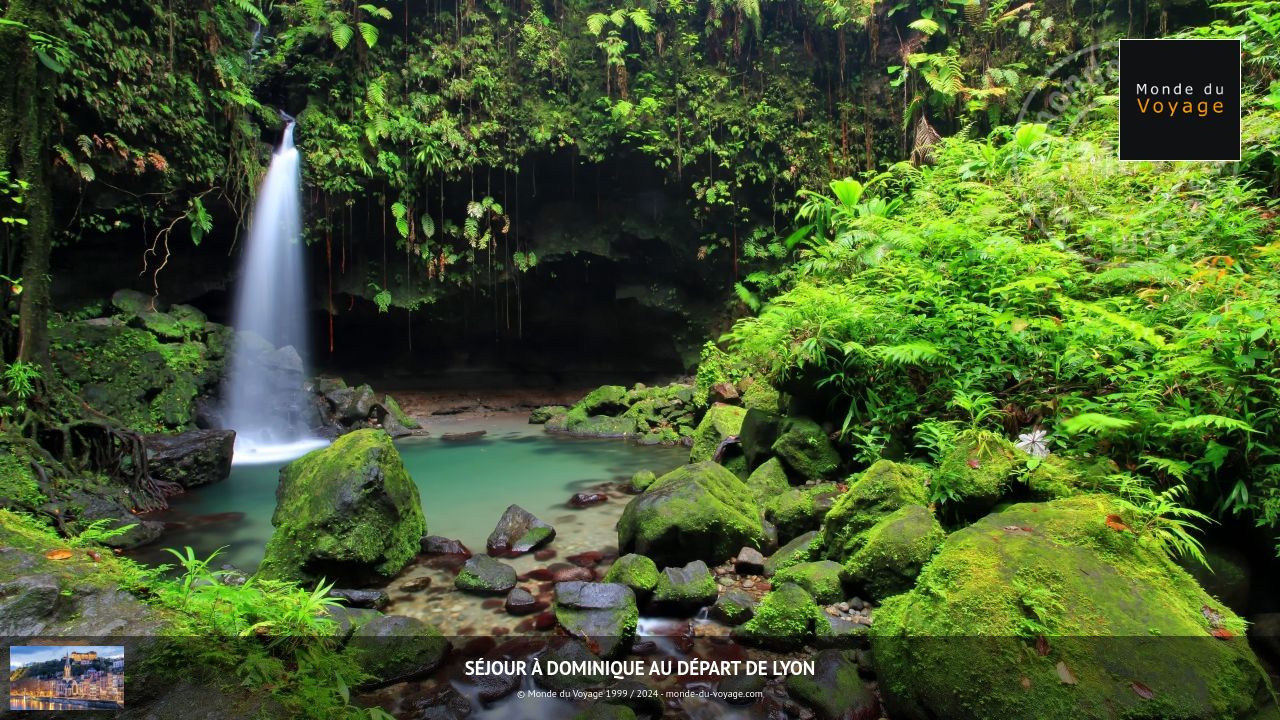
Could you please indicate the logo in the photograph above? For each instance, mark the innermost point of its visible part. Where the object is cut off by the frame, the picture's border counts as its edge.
(1180, 100)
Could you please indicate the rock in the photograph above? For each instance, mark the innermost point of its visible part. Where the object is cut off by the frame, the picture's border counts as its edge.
(190, 319)
(572, 652)
(444, 704)
(162, 325)
(734, 607)
(768, 481)
(894, 550)
(1118, 613)
(602, 711)
(758, 434)
(568, 573)
(521, 602)
(439, 545)
(348, 512)
(824, 580)
(352, 404)
(978, 471)
(348, 619)
(880, 490)
(604, 615)
(190, 459)
(805, 450)
(642, 480)
(724, 392)
(518, 532)
(831, 631)
(94, 507)
(799, 550)
(367, 599)
(795, 511)
(783, 620)
(598, 426)
(393, 648)
(834, 691)
(394, 409)
(464, 436)
(636, 572)
(640, 698)
(604, 400)
(590, 558)
(582, 499)
(482, 574)
(325, 385)
(417, 584)
(495, 686)
(132, 302)
(392, 426)
(685, 589)
(749, 562)
(25, 602)
(720, 422)
(741, 689)
(541, 415)
(759, 395)
(695, 512)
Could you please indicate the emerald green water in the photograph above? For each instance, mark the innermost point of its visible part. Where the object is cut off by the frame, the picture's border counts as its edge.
(465, 486)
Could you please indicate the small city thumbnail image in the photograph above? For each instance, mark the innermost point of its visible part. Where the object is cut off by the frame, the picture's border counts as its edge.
(66, 677)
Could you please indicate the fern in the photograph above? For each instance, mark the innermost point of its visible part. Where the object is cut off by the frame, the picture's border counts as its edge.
(1094, 424)
(369, 33)
(251, 9)
(341, 35)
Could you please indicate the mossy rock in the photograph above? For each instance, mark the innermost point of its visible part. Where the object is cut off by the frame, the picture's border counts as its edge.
(484, 575)
(18, 487)
(395, 648)
(783, 620)
(347, 512)
(768, 481)
(132, 302)
(978, 471)
(881, 489)
(636, 572)
(894, 550)
(162, 325)
(695, 512)
(541, 415)
(806, 450)
(824, 580)
(835, 690)
(734, 607)
(758, 434)
(685, 589)
(599, 426)
(800, 549)
(720, 422)
(604, 615)
(642, 479)
(1057, 477)
(798, 510)
(601, 711)
(191, 320)
(1127, 633)
(398, 413)
(759, 395)
(604, 400)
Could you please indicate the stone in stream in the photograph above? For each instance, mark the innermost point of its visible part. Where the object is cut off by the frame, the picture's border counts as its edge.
(393, 648)
(482, 574)
(445, 703)
(682, 590)
(749, 562)
(636, 572)
(352, 404)
(604, 615)
(518, 531)
(734, 607)
(567, 573)
(783, 620)
(834, 691)
(190, 459)
(542, 414)
(349, 513)
(521, 602)
(416, 584)
(797, 551)
(825, 580)
(439, 545)
(370, 599)
(583, 499)
(575, 653)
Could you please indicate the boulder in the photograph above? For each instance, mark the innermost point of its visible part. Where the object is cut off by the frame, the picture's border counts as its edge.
(749, 562)
(162, 325)
(759, 395)
(880, 490)
(783, 620)
(1048, 610)
(894, 550)
(94, 504)
(824, 580)
(364, 599)
(348, 512)
(758, 434)
(978, 471)
(795, 511)
(394, 648)
(401, 417)
(440, 545)
(599, 426)
(604, 400)
(834, 691)
(190, 319)
(801, 549)
(720, 423)
(483, 575)
(190, 459)
(132, 302)
(604, 615)
(768, 481)
(520, 602)
(352, 404)
(695, 512)
(734, 607)
(576, 653)
(682, 590)
(805, 450)
(636, 572)
(541, 415)
(518, 532)
(642, 480)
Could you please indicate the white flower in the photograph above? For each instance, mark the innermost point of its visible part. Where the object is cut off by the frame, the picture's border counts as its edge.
(1033, 443)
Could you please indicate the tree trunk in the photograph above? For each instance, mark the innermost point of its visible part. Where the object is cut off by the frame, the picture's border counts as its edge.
(26, 113)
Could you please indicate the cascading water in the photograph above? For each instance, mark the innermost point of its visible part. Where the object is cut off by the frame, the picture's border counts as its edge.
(264, 398)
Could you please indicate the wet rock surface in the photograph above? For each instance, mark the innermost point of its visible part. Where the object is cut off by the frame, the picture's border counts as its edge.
(518, 531)
(190, 459)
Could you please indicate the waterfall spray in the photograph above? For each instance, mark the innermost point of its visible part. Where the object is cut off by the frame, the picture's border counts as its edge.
(265, 401)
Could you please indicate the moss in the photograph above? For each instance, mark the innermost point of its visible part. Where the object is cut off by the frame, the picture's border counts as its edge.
(542, 414)
(799, 510)
(881, 489)
(894, 550)
(1113, 609)
(399, 414)
(18, 486)
(602, 711)
(635, 571)
(163, 325)
(351, 507)
(806, 450)
(720, 422)
(784, 619)
(693, 585)
(975, 474)
(769, 480)
(695, 512)
(604, 400)
(396, 647)
(824, 580)
(642, 479)
(759, 395)
(1059, 477)
(801, 549)
(835, 690)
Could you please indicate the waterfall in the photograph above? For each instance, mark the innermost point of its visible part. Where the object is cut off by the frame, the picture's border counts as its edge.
(264, 397)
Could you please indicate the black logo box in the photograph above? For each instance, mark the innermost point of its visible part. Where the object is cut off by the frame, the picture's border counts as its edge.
(1190, 64)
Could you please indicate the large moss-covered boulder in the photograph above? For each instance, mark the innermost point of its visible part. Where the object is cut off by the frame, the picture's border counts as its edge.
(795, 511)
(603, 615)
(835, 690)
(346, 513)
(824, 580)
(768, 481)
(483, 575)
(396, 648)
(695, 512)
(800, 549)
(806, 450)
(1056, 610)
(881, 489)
(685, 589)
(720, 423)
(979, 471)
(784, 619)
(894, 550)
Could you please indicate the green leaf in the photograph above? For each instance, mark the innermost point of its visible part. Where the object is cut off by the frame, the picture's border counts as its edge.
(342, 35)
(369, 33)
(1209, 422)
(1094, 424)
(49, 62)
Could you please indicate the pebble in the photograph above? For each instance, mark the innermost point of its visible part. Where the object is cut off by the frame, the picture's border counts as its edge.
(748, 583)
(416, 584)
(857, 603)
(844, 607)
(544, 554)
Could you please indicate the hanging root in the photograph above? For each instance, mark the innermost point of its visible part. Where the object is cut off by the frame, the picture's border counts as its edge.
(117, 452)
